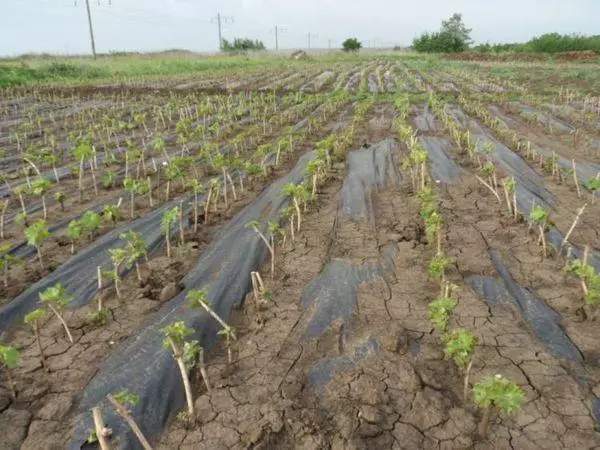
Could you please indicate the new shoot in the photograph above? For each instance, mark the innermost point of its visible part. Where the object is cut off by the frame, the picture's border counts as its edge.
(57, 298)
(495, 394)
(460, 346)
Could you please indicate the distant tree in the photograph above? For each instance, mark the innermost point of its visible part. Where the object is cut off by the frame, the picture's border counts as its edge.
(351, 45)
(242, 45)
(453, 37)
(456, 28)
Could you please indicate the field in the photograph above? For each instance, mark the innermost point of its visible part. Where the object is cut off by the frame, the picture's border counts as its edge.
(338, 252)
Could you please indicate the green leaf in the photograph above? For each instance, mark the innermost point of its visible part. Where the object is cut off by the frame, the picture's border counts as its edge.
(539, 215)
(9, 356)
(176, 331)
(438, 265)
(440, 311)
(91, 221)
(37, 233)
(197, 298)
(499, 391)
(56, 294)
(117, 255)
(40, 186)
(460, 346)
(34, 315)
(126, 398)
(75, 230)
(170, 217)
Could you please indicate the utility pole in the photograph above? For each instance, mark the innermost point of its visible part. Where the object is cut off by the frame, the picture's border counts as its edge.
(89, 15)
(90, 25)
(218, 21)
(309, 36)
(278, 30)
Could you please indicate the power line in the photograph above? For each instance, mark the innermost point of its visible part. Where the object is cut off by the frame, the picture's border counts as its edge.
(218, 20)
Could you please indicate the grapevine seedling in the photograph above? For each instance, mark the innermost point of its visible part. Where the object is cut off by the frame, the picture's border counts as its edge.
(7, 261)
(175, 335)
(118, 257)
(489, 169)
(170, 217)
(297, 193)
(433, 227)
(315, 168)
(33, 319)
(40, 187)
(60, 197)
(56, 298)
(2, 215)
(540, 216)
(74, 233)
(120, 400)
(440, 311)
(36, 234)
(509, 186)
(289, 212)
(460, 346)
(259, 291)
(593, 185)
(132, 186)
(270, 244)
(196, 188)
(496, 393)
(136, 249)
(199, 299)
(91, 223)
(112, 213)
(590, 280)
(9, 359)
(108, 179)
(437, 268)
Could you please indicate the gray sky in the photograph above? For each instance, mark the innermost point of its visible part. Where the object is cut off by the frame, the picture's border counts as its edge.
(57, 26)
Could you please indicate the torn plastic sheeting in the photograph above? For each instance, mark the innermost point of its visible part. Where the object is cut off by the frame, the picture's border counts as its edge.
(556, 238)
(530, 186)
(543, 118)
(441, 166)
(544, 321)
(324, 372)
(332, 295)
(368, 170)
(141, 364)
(79, 274)
(372, 84)
(585, 171)
(424, 120)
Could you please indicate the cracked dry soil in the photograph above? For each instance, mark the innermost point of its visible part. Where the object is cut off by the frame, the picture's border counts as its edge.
(389, 385)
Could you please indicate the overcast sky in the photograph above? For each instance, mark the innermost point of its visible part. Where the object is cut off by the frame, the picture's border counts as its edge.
(57, 26)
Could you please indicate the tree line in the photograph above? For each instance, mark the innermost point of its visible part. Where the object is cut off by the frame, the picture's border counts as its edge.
(454, 37)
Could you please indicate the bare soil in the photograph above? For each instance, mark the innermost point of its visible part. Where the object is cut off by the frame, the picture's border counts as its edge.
(379, 380)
